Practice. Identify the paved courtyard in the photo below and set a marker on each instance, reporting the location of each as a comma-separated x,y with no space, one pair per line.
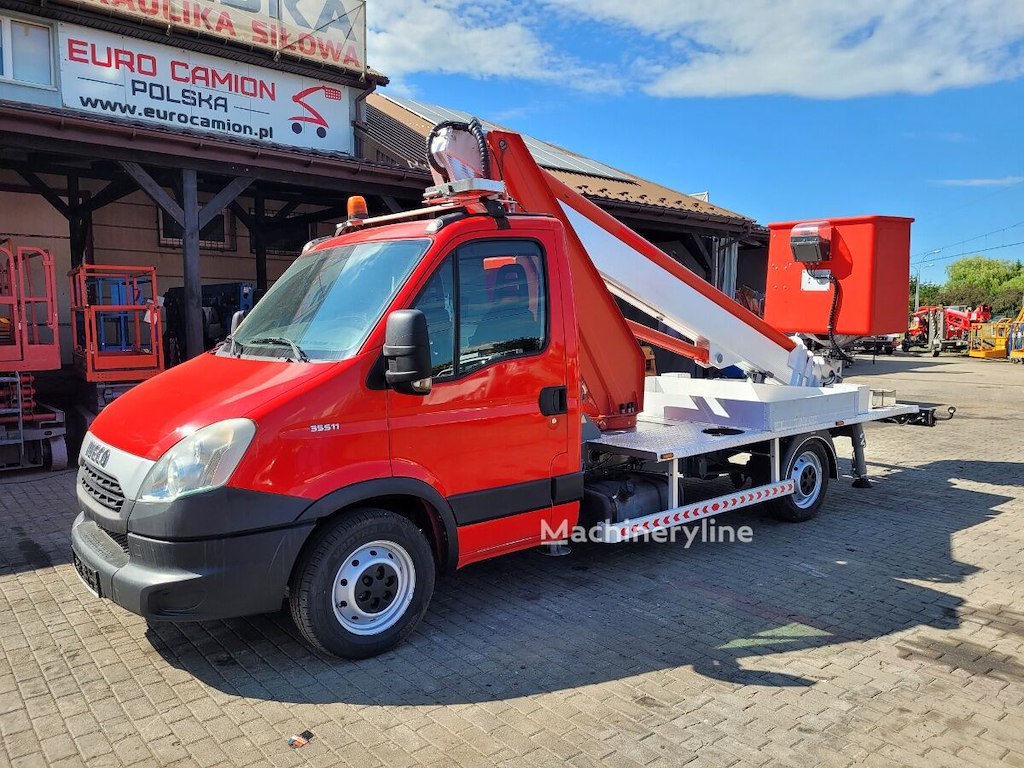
889,631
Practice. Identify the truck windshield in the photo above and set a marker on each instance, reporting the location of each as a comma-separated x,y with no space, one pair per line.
325,304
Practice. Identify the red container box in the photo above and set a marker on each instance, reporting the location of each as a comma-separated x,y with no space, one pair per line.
869,257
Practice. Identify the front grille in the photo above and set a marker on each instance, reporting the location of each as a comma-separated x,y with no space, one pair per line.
103,543
121,539
102,487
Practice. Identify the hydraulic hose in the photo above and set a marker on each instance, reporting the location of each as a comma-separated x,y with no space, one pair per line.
839,351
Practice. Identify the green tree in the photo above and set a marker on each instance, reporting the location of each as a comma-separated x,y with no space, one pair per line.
974,280
981,272
929,293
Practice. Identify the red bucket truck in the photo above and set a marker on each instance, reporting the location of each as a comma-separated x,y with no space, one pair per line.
428,389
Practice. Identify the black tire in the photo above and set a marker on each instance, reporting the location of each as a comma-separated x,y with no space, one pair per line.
905,345
390,564
890,349
807,462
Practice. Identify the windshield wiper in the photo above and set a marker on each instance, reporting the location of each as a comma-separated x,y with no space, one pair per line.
230,341
283,341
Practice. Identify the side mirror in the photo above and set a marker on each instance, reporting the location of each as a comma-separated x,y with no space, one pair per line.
407,351
236,320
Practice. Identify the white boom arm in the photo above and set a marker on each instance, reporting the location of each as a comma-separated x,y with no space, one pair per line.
731,340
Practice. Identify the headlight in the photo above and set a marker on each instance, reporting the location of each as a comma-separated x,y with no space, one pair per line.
202,461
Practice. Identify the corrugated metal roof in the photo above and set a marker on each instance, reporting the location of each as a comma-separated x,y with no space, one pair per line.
394,123
399,138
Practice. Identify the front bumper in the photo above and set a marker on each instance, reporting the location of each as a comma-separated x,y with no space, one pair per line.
197,579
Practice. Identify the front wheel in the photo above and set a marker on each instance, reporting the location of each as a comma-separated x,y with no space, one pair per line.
807,466
363,584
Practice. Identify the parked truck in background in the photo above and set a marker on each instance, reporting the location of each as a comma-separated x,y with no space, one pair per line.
878,345
429,389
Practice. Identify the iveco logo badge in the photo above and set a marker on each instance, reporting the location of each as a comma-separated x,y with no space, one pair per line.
97,454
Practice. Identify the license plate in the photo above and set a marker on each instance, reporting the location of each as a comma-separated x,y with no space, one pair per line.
89,577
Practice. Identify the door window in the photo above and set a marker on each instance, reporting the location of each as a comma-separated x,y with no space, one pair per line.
489,301
437,302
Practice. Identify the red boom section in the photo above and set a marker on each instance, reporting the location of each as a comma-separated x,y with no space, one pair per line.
611,361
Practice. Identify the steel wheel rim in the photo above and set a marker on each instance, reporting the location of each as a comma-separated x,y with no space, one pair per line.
373,588
807,477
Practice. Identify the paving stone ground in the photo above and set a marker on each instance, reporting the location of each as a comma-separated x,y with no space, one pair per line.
888,632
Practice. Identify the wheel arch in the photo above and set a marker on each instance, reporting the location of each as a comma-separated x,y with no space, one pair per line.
793,446
404,496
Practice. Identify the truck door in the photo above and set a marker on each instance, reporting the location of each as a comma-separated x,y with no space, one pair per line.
490,433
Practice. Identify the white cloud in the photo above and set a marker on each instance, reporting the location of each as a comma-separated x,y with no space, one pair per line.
809,48
1005,181
709,48
819,49
459,37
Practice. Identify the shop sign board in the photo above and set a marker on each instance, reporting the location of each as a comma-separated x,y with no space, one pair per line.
329,32
131,79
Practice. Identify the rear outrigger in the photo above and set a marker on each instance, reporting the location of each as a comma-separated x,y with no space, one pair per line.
428,389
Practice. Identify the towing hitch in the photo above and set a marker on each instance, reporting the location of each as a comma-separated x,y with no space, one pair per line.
925,416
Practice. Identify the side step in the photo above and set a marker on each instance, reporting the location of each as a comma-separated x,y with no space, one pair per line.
614,533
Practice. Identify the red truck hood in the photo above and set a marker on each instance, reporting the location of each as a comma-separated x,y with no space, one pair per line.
150,418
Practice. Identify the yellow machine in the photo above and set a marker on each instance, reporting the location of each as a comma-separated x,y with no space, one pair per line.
989,340
1015,342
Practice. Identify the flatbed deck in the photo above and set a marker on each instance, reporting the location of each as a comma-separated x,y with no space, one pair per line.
661,439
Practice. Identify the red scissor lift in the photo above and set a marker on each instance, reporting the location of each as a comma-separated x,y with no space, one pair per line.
115,328
31,433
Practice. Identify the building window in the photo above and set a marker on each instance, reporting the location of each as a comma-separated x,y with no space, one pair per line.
218,235
26,55
283,241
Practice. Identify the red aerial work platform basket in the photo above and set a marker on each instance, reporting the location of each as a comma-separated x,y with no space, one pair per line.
115,323
28,311
866,259
31,433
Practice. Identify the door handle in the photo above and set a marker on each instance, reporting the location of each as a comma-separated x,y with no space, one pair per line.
554,401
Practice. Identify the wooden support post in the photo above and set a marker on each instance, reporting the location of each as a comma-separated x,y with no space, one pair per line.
76,224
220,201
191,218
148,185
695,245
194,342
48,194
259,240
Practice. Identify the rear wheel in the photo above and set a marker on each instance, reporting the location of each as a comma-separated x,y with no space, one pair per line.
363,585
806,464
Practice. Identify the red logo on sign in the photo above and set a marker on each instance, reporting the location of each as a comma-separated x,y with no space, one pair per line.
311,115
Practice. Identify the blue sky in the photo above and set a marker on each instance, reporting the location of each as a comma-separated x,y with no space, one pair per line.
781,109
